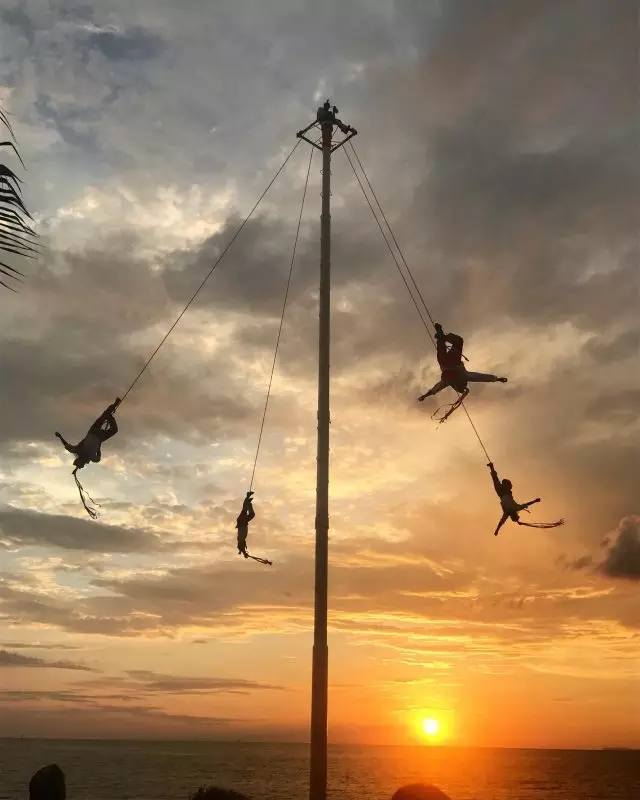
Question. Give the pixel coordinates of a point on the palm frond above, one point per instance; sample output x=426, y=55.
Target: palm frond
x=16, y=235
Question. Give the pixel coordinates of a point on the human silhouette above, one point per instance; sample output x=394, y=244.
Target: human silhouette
x=326, y=113
x=90, y=448
x=420, y=791
x=242, y=523
x=453, y=372
x=216, y=793
x=48, y=784
x=511, y=509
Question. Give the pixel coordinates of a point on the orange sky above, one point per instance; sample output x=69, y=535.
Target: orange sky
x=503, y=147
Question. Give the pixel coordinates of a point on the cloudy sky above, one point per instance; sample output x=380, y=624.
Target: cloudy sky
x=502, y=139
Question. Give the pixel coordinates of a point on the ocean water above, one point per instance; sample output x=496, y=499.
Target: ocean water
x=116, y=770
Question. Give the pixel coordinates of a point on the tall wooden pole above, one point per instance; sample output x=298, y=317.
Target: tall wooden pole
x=320, y=674
x=326, y=119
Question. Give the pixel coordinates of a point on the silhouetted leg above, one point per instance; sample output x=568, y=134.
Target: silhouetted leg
x=483, y=377
x=504, y=518
x=70, y=448
x=434, y=390
x=242, y=541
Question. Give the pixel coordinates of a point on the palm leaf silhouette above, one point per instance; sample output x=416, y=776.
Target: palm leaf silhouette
x=16, y=234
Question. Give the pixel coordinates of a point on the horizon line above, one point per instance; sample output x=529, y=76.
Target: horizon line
x=307, y=743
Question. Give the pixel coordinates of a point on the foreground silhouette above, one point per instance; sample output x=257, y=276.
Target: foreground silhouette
x=215, y=793
x=48, y=784
x=420, y=791
x=16, y=236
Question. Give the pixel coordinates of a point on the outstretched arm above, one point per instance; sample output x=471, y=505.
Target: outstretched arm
x=110, y=410
x=496, y=481
x=530, y=503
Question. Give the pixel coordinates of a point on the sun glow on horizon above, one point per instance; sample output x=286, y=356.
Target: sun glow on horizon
x=431, y=727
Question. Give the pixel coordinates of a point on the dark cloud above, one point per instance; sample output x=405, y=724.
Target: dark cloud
x=624, y=345
x=134, y=44
x=581, y=563
x=71, y=696
x=83, y=357
x=36, y=646
x=153, y=682
x=621, y=405
x=24, y=527
x=623, y=555
x=9, y=659
x=69, y=713
x=17, y=18
x=534, y=177
x=377, y=579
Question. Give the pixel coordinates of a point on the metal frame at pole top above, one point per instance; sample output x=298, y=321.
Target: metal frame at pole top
x=327, y=121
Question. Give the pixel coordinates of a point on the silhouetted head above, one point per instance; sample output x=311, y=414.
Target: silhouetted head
x=215, y=793
x=48, y=784
x=507, y=485
x=420, y=791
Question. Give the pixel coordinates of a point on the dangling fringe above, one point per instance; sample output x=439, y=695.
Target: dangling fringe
x=542, y=524
x=261, y=560
x=81, y=491
x=452, y=407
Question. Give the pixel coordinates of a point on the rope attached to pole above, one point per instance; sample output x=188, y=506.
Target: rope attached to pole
x=406, y=265
x=395, y=241
x=211, y=271
x=284, y=308
x=391, y=250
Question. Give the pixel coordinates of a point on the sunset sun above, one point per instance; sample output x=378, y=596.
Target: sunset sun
x=431, y=727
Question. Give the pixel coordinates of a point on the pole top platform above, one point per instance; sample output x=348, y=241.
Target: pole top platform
x=326, y=116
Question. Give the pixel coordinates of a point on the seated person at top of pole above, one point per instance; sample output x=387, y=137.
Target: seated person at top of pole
x=89, y=449
x=454, y=373
x=327, y=114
